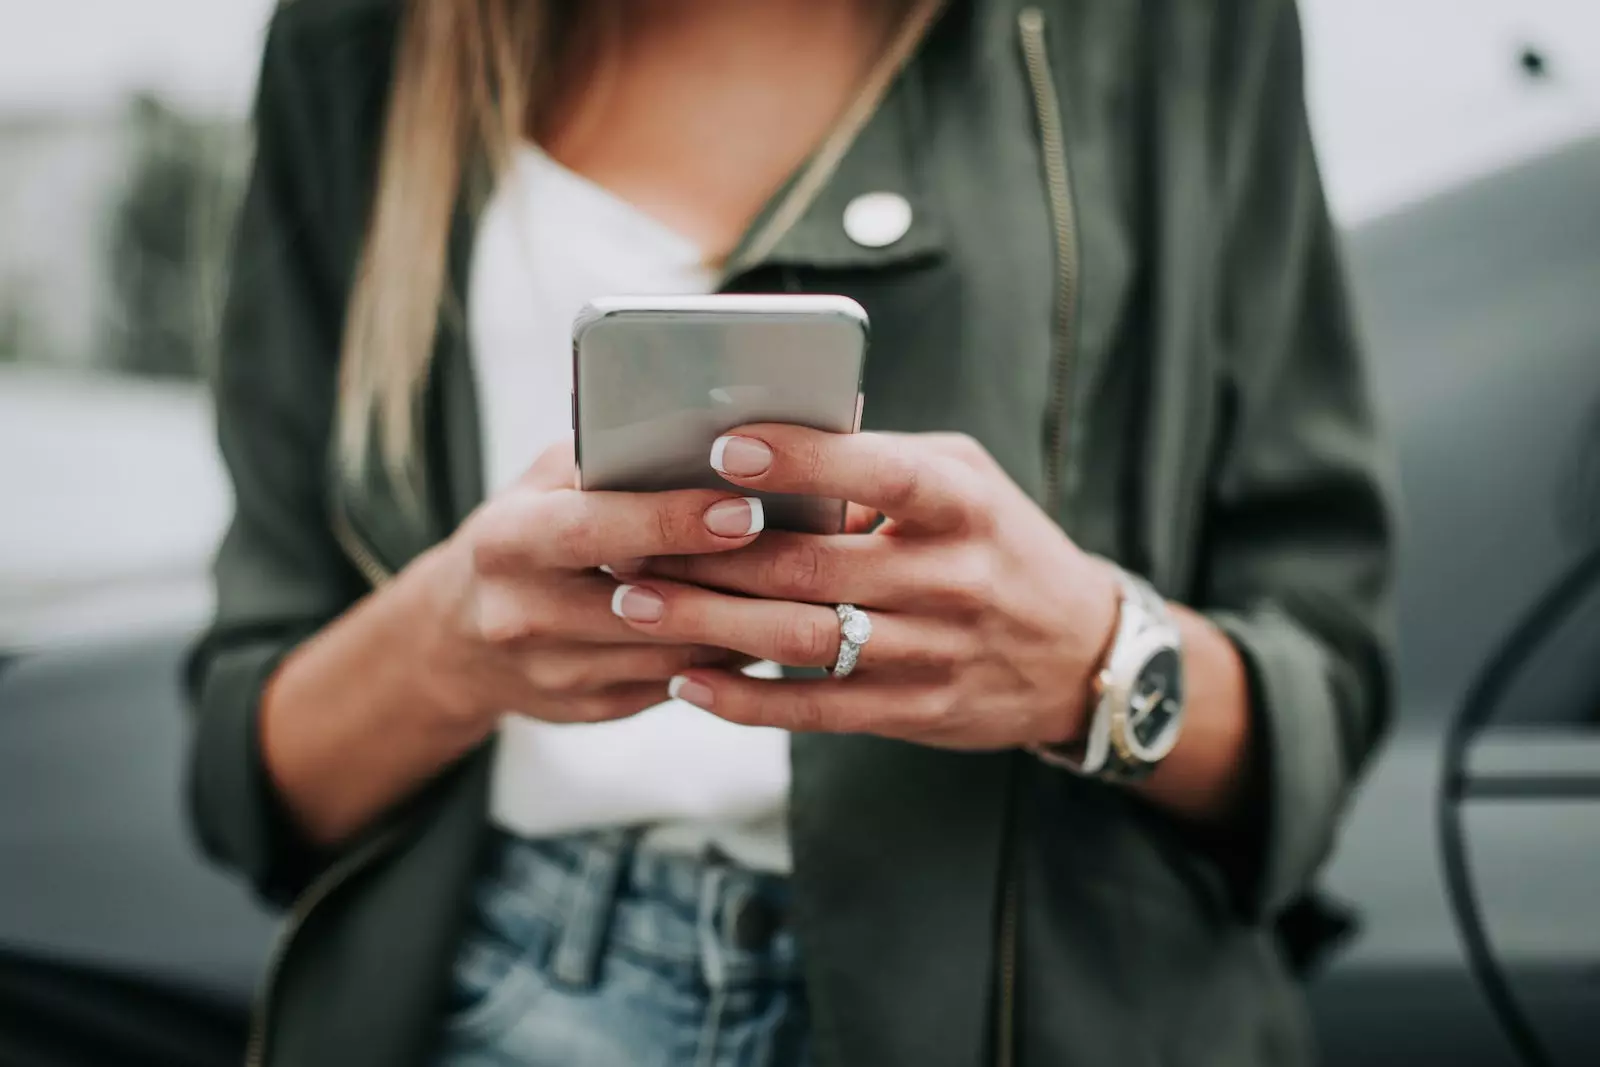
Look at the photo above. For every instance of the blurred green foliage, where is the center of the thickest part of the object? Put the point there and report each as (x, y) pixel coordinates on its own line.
(18, 329)
(168, 241)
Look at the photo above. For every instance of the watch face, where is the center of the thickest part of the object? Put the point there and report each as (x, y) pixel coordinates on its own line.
(1157, 698)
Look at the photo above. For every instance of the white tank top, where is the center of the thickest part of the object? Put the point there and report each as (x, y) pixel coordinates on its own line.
(549, 241)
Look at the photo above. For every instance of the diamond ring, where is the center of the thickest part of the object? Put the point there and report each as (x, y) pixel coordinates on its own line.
(855, 630)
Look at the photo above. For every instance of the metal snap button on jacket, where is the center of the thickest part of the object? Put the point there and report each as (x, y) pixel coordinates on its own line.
(877, 220)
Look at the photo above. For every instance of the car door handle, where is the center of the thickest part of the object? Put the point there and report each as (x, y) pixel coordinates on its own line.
(1549, 763)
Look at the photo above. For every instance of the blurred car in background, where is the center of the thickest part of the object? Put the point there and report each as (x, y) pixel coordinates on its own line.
(1463, 902)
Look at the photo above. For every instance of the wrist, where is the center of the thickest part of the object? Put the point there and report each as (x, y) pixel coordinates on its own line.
(1138, 691)
(1095, 617)
(445, 670)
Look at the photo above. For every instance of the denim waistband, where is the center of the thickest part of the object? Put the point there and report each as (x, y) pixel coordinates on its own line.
(575, 898)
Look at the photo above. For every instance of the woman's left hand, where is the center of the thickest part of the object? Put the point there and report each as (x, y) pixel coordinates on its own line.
(988, 622)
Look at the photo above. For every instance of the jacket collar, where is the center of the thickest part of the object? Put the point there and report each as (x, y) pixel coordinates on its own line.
(882, 158)
(872, 148)
(458, 431)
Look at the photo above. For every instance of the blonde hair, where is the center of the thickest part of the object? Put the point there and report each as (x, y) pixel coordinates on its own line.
(465, 75)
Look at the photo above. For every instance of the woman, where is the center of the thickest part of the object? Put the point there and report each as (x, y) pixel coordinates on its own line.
(1040, 815)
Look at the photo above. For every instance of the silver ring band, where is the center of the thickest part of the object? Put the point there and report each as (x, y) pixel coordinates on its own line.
(855, 630)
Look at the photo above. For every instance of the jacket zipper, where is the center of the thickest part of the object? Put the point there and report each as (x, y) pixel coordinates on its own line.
(1058, 183)
(335, 876)
(1005, 1031)
(365, 560)
(347, 867)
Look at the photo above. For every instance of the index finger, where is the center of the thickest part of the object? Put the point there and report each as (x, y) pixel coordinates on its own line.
(570, 529)
(891, 473)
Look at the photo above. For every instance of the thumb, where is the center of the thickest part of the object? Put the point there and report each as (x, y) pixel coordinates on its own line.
(556, 468)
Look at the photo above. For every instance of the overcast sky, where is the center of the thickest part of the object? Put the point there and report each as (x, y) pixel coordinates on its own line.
(1403, 91)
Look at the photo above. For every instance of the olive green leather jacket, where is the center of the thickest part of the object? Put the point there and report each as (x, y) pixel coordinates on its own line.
(1121, 278)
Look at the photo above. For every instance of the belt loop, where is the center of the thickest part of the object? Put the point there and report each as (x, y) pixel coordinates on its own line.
(713, 957)
(593, 895)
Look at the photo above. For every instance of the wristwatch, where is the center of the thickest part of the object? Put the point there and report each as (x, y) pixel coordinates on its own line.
(1138, 697)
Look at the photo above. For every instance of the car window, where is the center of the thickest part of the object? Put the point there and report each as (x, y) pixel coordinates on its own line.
(1556, 681)
(1547, 670)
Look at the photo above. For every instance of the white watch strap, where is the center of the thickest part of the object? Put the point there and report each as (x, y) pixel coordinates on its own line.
(1141, 608)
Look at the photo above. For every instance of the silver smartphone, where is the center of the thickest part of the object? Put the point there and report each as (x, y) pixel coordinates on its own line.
(656, 380)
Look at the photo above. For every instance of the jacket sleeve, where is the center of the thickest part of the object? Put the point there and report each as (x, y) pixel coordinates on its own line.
(1297, 544)
(279, 575)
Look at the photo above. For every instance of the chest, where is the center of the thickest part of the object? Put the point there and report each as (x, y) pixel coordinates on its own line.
(699, 119)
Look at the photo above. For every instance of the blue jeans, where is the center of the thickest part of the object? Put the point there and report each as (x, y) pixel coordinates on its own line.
(589, 952)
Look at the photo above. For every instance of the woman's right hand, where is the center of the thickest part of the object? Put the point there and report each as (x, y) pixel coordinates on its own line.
(524, 619)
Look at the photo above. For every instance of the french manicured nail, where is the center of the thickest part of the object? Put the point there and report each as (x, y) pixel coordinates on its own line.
(637, 605)
(736, 518)
(690, 692)
(623, 566)
(741, 457)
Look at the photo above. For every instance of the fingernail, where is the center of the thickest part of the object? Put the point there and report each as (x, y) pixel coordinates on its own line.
(741, 457)
(637, 605)
(690, 692)
(735, 518)
(625, 566)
